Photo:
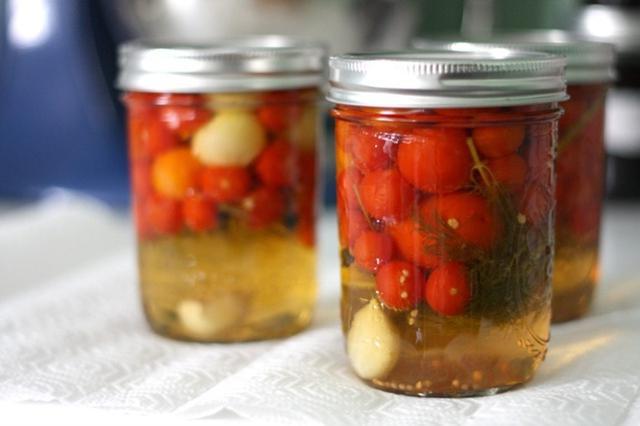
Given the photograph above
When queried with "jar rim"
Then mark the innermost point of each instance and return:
(235, 64)
(441, 78)
(587, 61)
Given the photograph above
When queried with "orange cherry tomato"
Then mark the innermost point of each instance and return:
(399, 285)
(264, 206)
(141, 178)
(184, 120)
(436, 159)
(347, 182)
(225, 184)
(386, 195)
(276, 117)
(164, 215)
(200, 214)
(370, 149)
(372, 249)
(175, 173)
(467, 214)
(536, 204)
(498, 141)
(415, 244)
(276, 165)
(447, 290)
(148, 136)
(351, 223)
(509, 171)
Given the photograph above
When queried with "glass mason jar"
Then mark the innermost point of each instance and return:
(445, 209)
(580, 160)
(222, 144)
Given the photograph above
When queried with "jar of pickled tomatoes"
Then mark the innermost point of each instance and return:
(580, 161)
(222, 145)
(445, 211)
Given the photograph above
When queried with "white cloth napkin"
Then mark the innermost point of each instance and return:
(72, 334)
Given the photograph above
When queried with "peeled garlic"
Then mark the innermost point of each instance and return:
(373, 344)
(231, 138)
(302, 132)
(207, 319)
(233, 101)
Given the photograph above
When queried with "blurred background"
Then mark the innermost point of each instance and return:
(61, 121)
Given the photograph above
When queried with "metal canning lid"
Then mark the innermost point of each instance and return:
(226, 65)
(443, 78)
(587, 61)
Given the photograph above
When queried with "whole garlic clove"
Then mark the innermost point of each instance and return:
(231, 138)
(233, 101)
(373, 343)
(303, 131)
(207, 319)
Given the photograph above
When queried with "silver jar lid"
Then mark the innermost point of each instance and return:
(226, 65)
(443, 78)
(587, 61)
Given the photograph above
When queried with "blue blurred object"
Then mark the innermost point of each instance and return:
(60, 121)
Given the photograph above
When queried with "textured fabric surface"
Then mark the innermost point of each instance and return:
(72, 334)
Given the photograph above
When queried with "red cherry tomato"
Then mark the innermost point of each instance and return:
(370, 148)
(414, 244)
(399, 285)
(141, 178)
(276, 165)
(509, 171)
(148, 136)
(143, 227)
(536, 204)
(386, 195)
(264, 206)
(164, 215)
(306, 169)
(347, 182)
(436, 160)
(372, 249)
(200, 214)
(351, 223)
(225, 184)
(498, 141)
(468, 215)
(275, 117)
(184, 120)
(447, 290)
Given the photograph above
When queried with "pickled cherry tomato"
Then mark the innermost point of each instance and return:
(175, 172)
(347, 183)
(141, 178)
(306, 169)
(372, 249)
(164, 215)
(447, 290)
(264, 206)
(184, 120)
(386, 195)
(466, 214)
(276, 117)
(415, 244)
(276, 165)
(369, 150)
(143, 227)
(225, 184)
(498, 141)
(200, 213)
(399, 285)
(148, 136)
(509, 171)
(351, 224)
(436, 160)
